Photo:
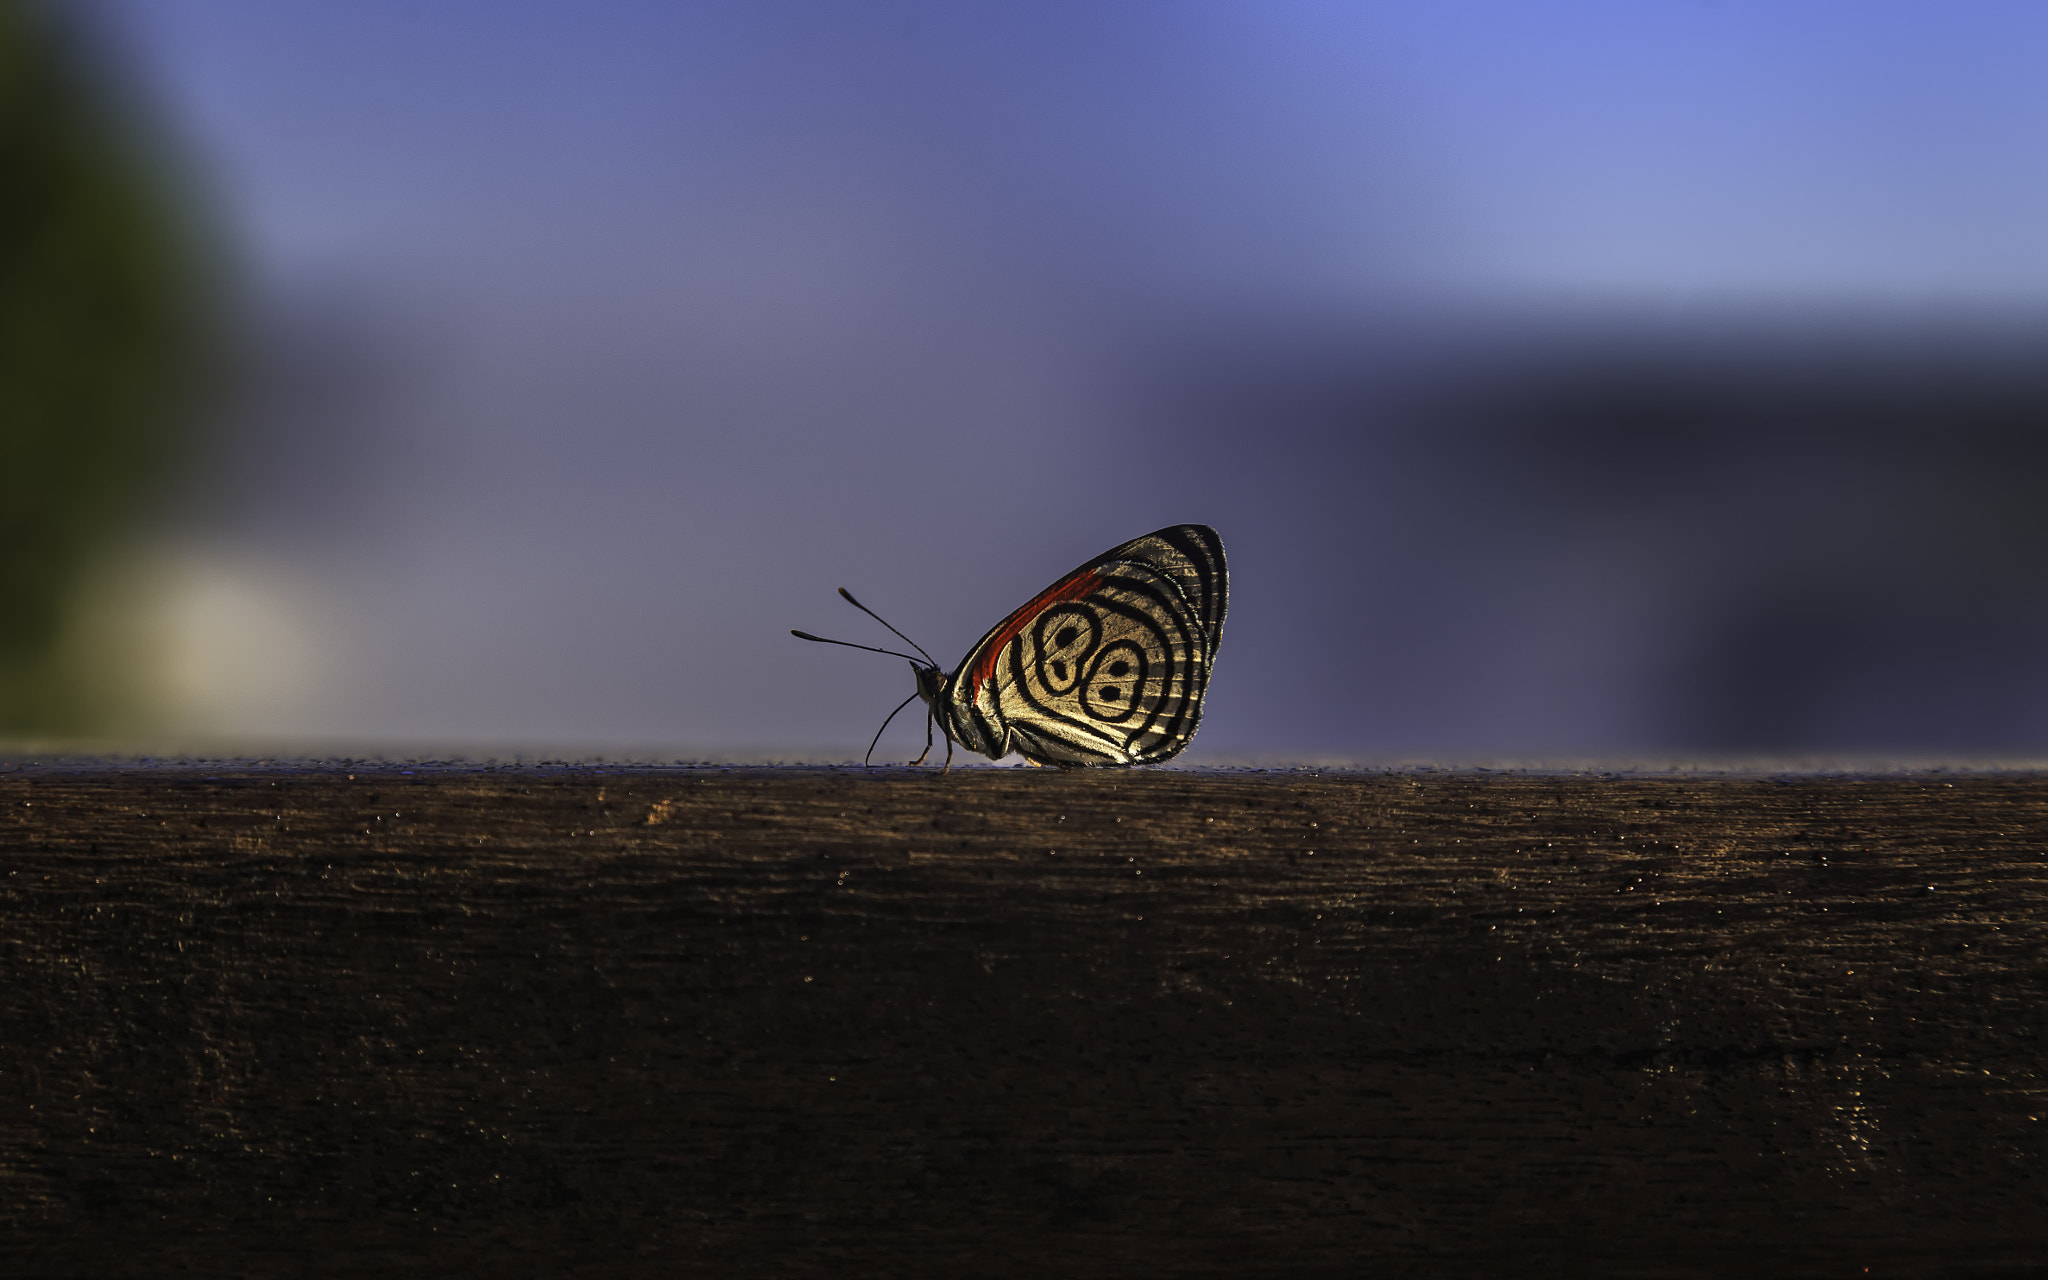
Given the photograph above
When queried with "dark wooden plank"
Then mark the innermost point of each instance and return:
(1019, 1022)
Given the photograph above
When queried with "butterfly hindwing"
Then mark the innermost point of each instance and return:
(1108, 666)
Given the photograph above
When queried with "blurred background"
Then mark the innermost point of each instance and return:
(1566, 380)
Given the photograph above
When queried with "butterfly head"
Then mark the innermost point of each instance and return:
(932, 685)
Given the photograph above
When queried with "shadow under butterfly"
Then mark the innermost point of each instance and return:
(1105, 668)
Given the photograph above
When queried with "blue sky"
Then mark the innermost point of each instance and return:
(1752, 148)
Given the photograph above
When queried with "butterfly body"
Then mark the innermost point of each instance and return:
(1107, 667)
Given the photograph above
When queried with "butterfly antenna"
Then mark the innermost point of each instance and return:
(885, 622)
(805, 635)
(885, 724)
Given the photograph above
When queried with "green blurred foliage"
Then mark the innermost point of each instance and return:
(102, 315)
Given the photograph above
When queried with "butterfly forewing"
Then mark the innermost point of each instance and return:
(1108, 665)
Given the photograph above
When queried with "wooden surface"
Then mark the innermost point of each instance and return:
(1018, 1022)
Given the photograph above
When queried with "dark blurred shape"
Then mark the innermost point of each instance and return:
(1842, 536)
(1731, 534)
(102, 315)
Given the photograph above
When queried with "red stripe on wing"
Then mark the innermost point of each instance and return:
(1072, 587)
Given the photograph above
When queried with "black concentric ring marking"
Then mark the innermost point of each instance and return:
(1128, 689)
(1184, 662)
(1060, 620)
(1172, 584)
(1135, 595)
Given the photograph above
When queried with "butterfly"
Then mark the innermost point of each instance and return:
(1104, 668)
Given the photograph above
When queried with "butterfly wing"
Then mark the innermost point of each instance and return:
(1108, 665)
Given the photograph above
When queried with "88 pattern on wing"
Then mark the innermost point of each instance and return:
(1110, 664)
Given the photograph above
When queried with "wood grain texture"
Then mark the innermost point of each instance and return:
(1018, 1022)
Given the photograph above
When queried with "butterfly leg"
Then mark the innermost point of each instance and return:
(885, 724)
(927, 741)
(949, 757)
